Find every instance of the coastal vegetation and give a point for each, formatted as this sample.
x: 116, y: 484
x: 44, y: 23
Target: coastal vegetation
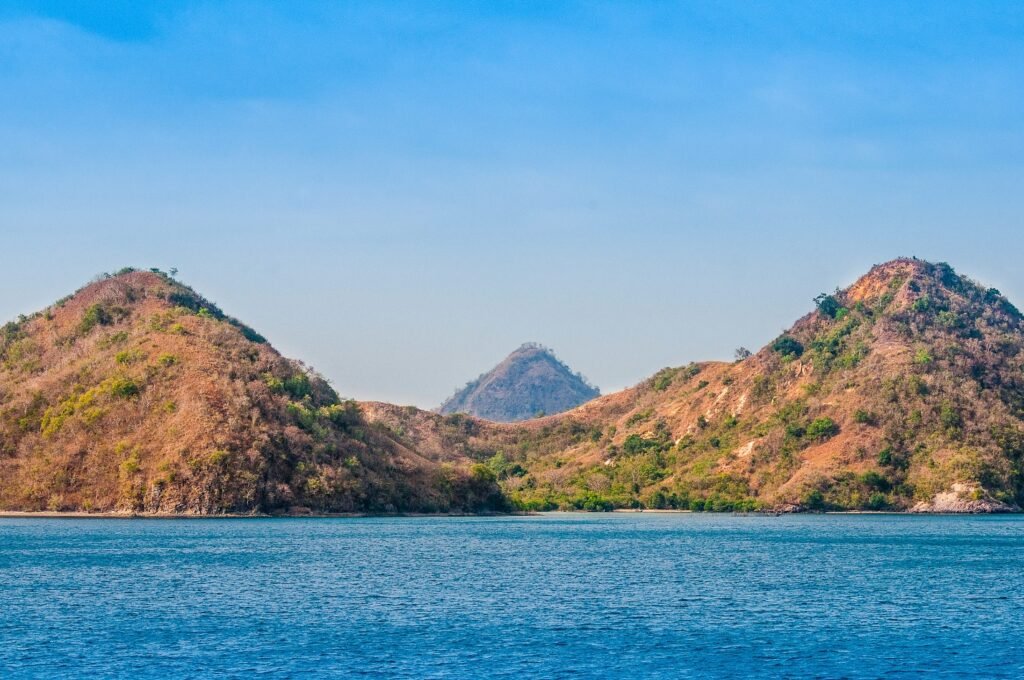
x: 904, y: 391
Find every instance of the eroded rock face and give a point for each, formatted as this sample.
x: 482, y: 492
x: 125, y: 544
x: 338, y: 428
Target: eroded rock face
x: 963, y: 499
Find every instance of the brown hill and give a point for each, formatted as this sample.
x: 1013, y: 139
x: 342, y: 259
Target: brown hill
x: 136, y: 394
x: 904, y: 391
x: 528, y: 383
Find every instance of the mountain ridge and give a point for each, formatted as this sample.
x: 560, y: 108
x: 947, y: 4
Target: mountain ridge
x: 903, y: 391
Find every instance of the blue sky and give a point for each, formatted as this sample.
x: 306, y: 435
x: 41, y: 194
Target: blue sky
x: 402, y: 193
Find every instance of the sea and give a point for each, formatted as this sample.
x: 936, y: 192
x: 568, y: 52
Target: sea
x: 618, y: 595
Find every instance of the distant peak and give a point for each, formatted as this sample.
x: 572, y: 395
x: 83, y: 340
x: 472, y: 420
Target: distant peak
x: 529, y: 382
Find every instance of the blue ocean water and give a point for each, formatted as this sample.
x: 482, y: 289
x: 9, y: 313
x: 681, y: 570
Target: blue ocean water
x: 561, y: 595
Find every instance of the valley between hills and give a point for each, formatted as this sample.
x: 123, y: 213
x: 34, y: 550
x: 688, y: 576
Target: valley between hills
x: 902, y: 392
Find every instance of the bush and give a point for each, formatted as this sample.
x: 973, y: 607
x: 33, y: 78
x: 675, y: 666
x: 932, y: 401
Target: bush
x: 251, y: 335
x: 788, y: 347
x: 663, y: 378
x: 813, y: 500
x: 635, y: 444
x: 828, y: 305
x: 950, y: 418
x: 639, y: 417
x: 344, y: 415
x: 129, y: 356
x: 217, y: 457
x: 122, y: 387
x: 592, y: 502
x: 481, y: 474
x: 822, y: 429
x: 875, y: 481
x: 503, y: 468
x: 96, y: 315
x: 865, y: 417
x: 877, y: 501
x: 298, y: 385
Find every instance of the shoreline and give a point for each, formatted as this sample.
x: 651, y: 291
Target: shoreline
x: 74, y: 514
x: 49, y: 514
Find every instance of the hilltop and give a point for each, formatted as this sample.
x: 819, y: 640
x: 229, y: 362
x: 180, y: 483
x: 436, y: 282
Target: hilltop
x: 136, y: 394
x: 904, y: 391
x: 529, y: 382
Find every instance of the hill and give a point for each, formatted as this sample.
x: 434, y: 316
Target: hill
x: 905, y: 391
x: 136, y: 394
x: 529, y: 382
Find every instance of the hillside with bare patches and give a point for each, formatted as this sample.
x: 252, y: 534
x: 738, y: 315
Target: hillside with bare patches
x: 138, y: 395
x: 903, y: 392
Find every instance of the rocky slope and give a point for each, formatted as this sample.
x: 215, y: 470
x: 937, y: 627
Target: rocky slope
x: 529, y: 383
x: 903, y: 391
x: 136, y: 394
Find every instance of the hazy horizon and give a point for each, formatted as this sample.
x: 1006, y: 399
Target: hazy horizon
x: 400, y: 195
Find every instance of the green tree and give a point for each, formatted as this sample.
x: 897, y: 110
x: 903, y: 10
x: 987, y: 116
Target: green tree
x: 788, y: 346
x: 828, y: 305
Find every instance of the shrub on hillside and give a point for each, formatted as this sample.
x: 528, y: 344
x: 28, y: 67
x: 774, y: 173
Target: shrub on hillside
x: 95, y: 315
x: 298, y: 385
x: 865, y: 417
x: 788, y: 347
x: 822, y: 428
x: 877, y: 501
x: 813, y: 500
x: 121, y: 387
x: 828, y: 305
x: 663, y: 378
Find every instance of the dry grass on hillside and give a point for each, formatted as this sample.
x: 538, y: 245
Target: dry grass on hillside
x: 136, y: 394
x: 890, y: 393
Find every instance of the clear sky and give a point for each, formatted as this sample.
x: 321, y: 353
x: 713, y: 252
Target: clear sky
x: 402, y: 193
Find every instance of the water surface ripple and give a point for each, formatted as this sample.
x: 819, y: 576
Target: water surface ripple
x: 560, y: 595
